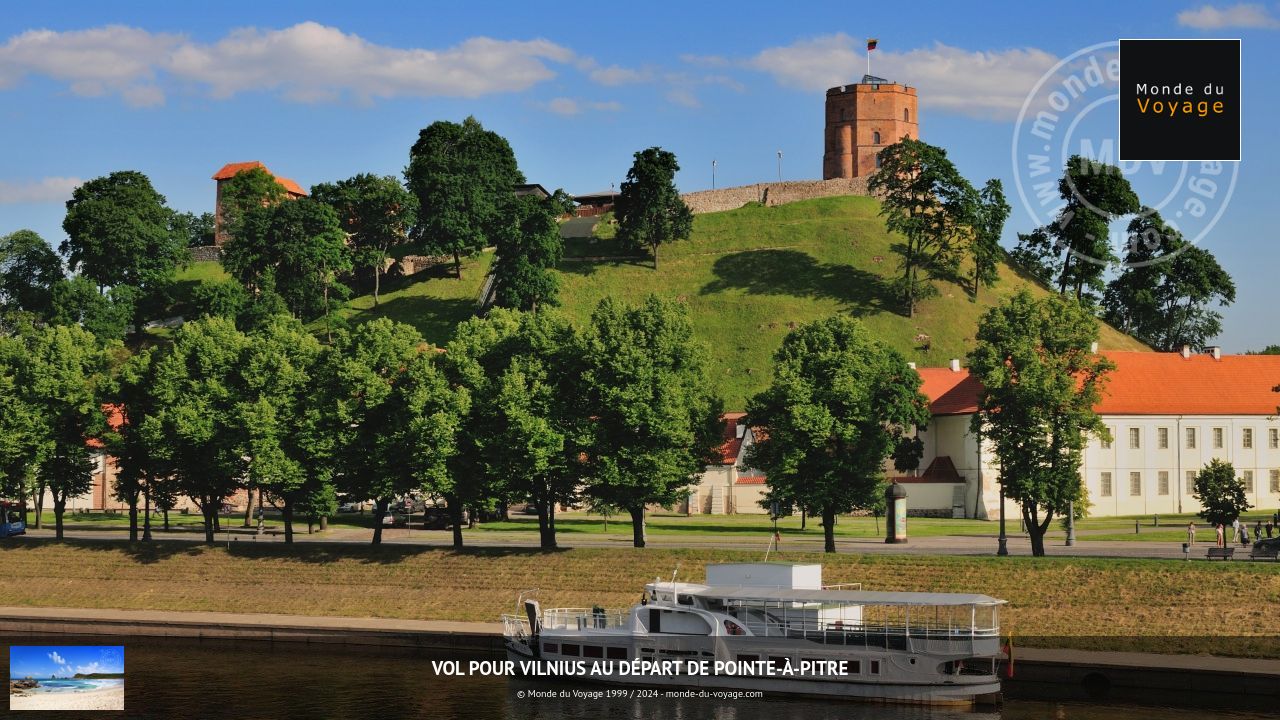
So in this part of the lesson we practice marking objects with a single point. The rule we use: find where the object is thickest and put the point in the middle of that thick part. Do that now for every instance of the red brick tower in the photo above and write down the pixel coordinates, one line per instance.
(862, 120)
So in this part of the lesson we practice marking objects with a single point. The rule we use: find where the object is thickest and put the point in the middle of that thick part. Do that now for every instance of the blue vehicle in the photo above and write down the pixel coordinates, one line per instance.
(11, 519)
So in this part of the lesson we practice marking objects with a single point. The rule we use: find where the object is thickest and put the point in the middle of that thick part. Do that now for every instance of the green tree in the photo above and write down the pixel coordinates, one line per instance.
(195, 420)
(1165, 293)
(225, 298)
(841, 403)
(926, 200)
(654, 421)
(139, 460)
(1040, 383)
(244, 192)
(376, 213)
(1268, 350)
(64, 375)
(119, 232)
(76, 301)
(462, 176)
(992, 212)
(23, 432)
(358, 381)
(523, 437)
(288, 448)
(649, 209)
(28, 271)
(529, 247)
(294, 250)
(195, 230)
(1220, 493)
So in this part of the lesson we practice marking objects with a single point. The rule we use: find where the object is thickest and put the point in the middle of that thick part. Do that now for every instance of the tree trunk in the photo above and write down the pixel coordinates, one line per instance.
(1036, 530)
(248, 508)
(377, 277)
(455, 518)
(146, 518)
(655, 256)
(803, 517)
(457, 264)
(287, 514)
(210, 514)
(637, 525)
(59, 506)
(39, 503)
(133, 517)
(546, 526)
(324, 523)
(379, 512)
(829, 529)
(166, 519)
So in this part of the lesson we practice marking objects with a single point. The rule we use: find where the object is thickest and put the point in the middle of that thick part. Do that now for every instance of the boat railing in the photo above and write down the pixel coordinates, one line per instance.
(843, 586)
(515, 627)
(584, 619)
(888, 635)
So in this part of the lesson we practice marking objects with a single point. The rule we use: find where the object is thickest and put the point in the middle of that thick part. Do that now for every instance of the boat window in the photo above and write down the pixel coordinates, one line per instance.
(686, 600)
(569, 649)
(551, 647)
(615, 653)
(733, 628)
(592, 651)
(855, 667)
(875, 667)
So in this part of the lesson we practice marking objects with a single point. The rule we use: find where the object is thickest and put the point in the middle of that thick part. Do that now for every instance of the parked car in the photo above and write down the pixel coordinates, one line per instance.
(1266, 548)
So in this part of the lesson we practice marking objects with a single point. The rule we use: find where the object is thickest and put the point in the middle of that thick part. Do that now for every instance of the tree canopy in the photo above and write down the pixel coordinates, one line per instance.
(529, 247)
(376, 213)
(841, 403)
(1040, 383)
(462, 176)
(649, 209)
(29, 269)
(1221, 494)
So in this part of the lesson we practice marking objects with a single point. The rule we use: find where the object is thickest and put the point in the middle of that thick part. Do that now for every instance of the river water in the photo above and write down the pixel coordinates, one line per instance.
(253, 680)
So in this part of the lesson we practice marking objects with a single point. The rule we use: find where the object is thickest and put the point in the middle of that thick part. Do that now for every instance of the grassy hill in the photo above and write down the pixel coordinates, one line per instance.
(748, 276)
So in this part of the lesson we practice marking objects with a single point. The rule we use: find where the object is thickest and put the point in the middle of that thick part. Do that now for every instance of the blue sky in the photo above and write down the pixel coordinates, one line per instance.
(42, 661)
(321, 92)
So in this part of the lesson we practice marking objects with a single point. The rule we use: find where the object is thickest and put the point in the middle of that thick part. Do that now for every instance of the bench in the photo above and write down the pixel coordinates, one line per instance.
(1223, 553)
(1264, 553)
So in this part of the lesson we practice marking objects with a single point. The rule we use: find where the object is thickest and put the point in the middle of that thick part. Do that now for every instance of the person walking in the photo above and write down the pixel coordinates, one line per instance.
(1235, 531)
(1257, 531)
(1221, 533)
(1191, 534)
(1244, 534)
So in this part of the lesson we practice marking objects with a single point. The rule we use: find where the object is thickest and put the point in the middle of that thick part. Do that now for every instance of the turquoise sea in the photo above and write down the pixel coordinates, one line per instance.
(60, 685)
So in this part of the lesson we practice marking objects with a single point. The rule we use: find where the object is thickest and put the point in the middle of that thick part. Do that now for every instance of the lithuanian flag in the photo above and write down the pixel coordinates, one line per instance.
(871, 44)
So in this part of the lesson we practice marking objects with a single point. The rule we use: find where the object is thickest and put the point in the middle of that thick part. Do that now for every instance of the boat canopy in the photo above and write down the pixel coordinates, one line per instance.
(841, 597)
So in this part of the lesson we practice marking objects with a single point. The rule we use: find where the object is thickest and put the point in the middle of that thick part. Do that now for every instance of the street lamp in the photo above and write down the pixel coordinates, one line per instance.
(1004, 539)
(713, 174)
(779, 166)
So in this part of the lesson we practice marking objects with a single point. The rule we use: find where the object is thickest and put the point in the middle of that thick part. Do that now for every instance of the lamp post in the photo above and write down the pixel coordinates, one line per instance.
(1003, 549)
(779, 166)
(713, 174)
(1071, 523)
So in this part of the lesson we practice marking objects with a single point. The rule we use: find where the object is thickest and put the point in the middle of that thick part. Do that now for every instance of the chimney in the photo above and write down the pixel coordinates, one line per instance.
(955, 365)
(1186, 351)
(911, 365)
(1216, 351)
(1093, 348)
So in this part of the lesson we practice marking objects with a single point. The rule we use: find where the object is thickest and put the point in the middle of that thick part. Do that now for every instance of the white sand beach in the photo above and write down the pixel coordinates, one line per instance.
(108, 698)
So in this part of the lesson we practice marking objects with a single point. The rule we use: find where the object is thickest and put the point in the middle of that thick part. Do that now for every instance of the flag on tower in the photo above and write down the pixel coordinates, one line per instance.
(871, 44)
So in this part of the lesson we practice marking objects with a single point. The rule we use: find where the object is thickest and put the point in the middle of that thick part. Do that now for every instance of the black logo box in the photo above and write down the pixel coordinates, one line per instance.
(1208, 132)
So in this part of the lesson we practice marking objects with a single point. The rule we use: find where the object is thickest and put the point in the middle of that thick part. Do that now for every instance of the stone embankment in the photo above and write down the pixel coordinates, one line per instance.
(773, 193)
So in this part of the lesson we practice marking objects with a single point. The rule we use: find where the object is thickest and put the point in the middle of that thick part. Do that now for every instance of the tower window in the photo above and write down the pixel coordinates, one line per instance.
(906, 115)
(876, 137)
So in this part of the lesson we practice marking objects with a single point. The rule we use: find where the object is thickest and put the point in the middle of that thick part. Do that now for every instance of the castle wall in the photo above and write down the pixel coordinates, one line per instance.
(774, 193)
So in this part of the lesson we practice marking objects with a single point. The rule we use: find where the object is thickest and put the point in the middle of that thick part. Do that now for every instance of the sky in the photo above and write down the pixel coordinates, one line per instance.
(323, 91)
(43, 661)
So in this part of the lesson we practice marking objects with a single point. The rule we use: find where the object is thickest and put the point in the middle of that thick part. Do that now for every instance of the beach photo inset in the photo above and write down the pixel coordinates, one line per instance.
(66, 677)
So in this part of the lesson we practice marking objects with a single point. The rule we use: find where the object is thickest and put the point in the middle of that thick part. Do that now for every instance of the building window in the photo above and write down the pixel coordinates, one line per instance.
(876, 137)
(1191, 438)
(1106, 484)
(1273, 439)
(1191, 481)
(1135, 438)
(906, 115)
(1275, 481)
(1162, 482)
(1135, 483)
(1162, 438)
(1217, 438)
(1106, 441)
(1248, 481)
(1246, 438)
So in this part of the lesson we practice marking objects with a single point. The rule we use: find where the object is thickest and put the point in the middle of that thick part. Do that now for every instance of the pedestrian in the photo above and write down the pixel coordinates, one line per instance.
(1235, 531)
(1244, 534)
(1191, 533)
(1257, 531)
(1221, 532)
(1270, 527)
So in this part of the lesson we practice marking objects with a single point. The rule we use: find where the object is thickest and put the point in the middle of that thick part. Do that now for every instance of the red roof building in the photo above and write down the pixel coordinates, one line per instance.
(292, 190)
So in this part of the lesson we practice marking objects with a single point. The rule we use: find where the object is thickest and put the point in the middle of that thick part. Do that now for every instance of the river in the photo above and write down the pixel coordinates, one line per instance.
(167, 679)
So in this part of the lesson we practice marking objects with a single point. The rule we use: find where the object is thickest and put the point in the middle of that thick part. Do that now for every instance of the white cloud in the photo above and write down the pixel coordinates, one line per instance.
(569, 106)
(44, 190)
(989, 85)
(94, 62)
(1244, 15)
(615, 75)
(683, 96)
(56, 658)
(307, 62)
(93, 667)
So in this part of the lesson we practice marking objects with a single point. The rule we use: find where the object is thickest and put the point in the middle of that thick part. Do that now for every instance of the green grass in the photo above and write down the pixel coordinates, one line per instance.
(750, 275)
(1094, 603)
(186, 280)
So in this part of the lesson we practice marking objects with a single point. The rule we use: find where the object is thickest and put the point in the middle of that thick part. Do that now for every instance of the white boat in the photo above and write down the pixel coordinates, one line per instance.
(776, 628)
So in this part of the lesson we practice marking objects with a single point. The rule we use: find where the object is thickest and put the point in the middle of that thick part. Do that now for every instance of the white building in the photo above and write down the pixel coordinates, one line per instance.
(1169, 414)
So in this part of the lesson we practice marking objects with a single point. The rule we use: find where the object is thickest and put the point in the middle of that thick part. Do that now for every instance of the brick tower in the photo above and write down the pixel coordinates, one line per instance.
(862, 120)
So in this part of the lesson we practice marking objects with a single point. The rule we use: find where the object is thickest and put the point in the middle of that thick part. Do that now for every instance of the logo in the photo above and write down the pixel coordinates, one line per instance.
(1073, 110)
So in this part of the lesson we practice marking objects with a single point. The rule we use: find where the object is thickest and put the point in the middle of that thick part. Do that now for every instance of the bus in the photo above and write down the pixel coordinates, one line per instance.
(11, 519)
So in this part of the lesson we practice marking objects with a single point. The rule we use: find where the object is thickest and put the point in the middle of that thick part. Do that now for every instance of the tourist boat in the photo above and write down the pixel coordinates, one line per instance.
(765, 625)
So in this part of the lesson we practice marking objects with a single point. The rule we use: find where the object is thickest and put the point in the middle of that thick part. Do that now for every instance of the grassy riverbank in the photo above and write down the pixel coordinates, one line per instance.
(1149, 605)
